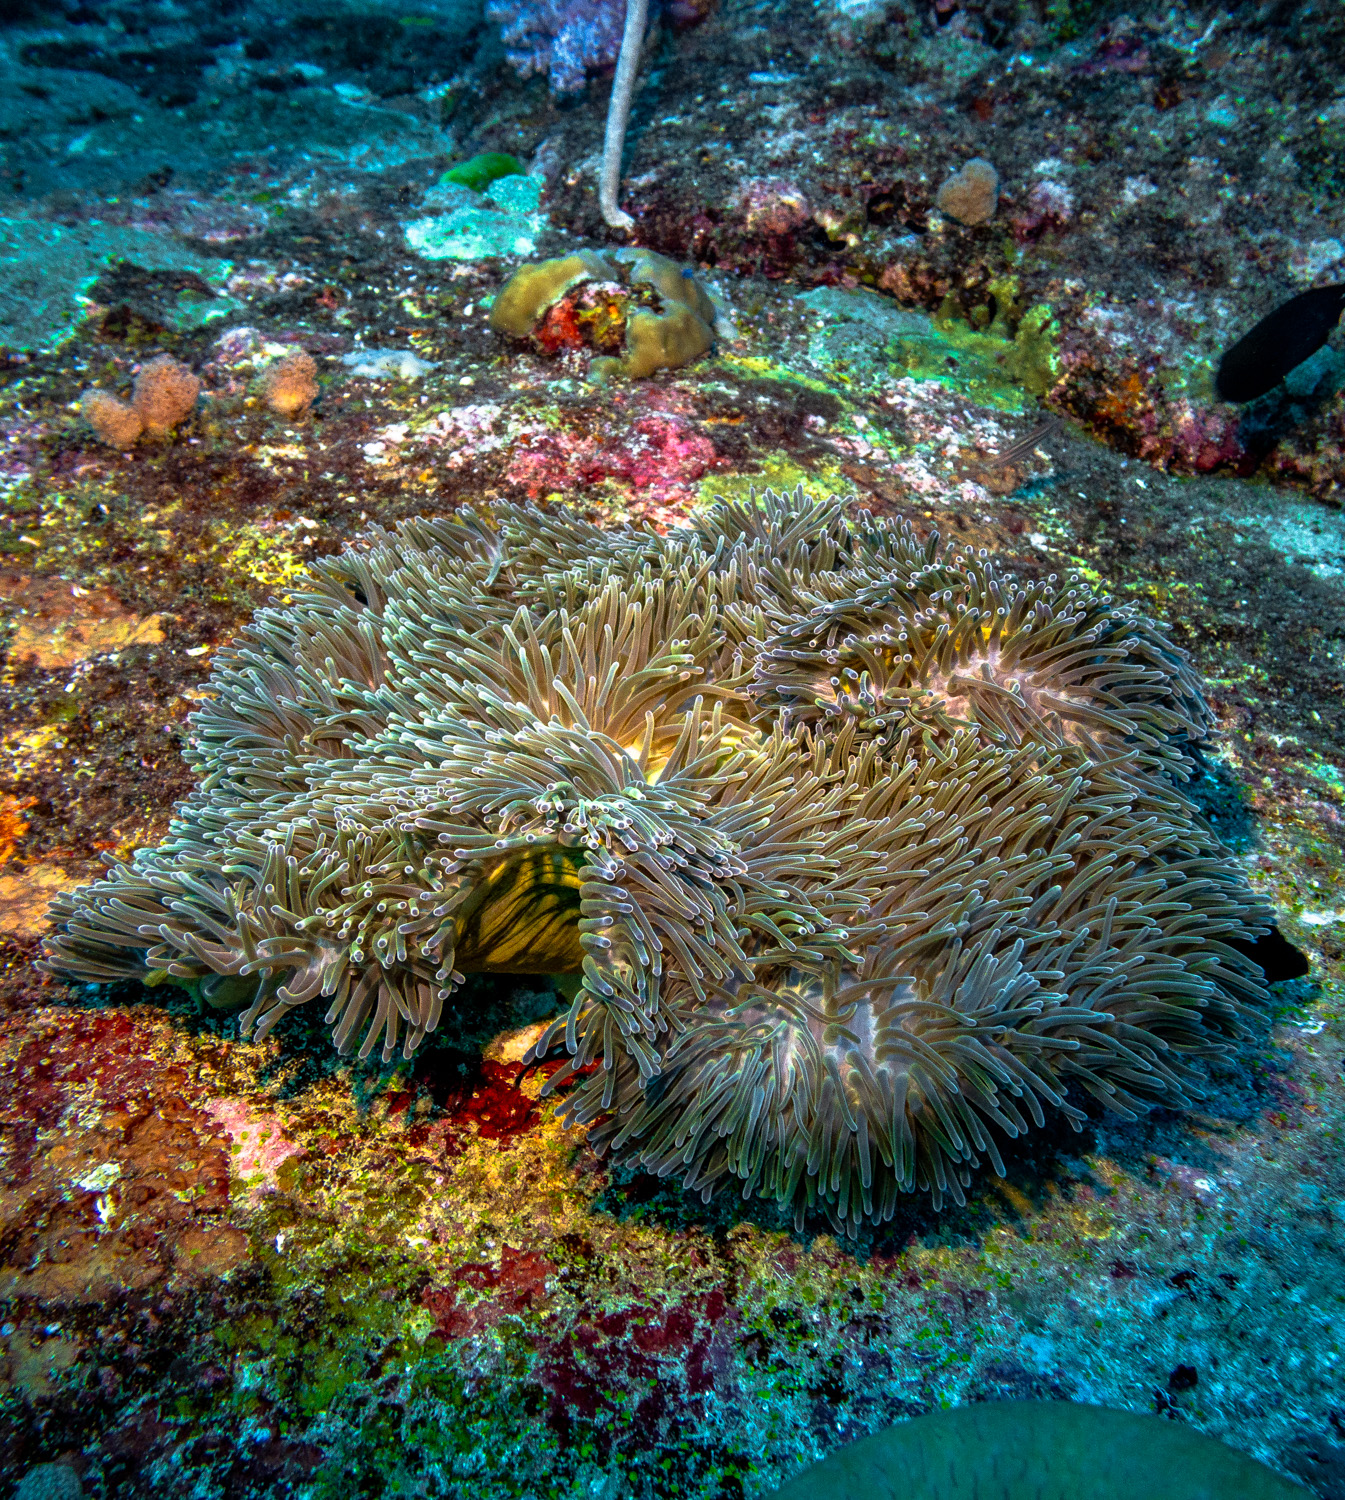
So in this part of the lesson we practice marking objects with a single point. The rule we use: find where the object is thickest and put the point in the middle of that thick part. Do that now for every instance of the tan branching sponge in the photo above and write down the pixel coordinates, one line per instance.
(164, 394)
(115, 421)
(866, 858)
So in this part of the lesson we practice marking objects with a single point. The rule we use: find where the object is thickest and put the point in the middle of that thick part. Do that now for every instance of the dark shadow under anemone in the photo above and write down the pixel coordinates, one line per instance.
(862, 855)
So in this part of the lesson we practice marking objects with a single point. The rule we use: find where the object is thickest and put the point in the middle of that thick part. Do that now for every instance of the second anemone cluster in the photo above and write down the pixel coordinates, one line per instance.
(866, 857)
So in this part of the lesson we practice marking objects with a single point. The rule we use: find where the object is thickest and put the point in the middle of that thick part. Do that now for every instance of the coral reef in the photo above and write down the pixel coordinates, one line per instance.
(386, 364)
(864, 853)
(50, 1482)
(251, 1268)
(46, 270)
(503, 220)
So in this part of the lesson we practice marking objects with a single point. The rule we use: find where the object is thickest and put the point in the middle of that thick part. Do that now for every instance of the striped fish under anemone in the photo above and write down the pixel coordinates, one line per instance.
(862, 859)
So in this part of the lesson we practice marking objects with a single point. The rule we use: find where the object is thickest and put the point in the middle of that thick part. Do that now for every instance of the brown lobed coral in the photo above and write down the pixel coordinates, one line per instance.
(867, 856)
(542, 303)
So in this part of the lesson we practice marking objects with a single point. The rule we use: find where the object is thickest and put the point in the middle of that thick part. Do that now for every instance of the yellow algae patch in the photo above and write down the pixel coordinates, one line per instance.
(266, 557)
(513, 1047)
(521, 1186)
(778, 472)
(13, 826)
(25, 750)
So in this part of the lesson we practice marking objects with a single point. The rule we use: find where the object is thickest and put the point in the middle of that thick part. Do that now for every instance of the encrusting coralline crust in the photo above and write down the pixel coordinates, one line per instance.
(869, 857)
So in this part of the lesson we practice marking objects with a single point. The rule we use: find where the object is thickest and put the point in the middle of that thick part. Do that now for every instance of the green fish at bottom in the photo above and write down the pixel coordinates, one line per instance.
(1039, 1450)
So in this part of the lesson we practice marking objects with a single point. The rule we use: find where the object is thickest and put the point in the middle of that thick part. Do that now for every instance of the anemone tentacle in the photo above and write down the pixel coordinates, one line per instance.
(867, 858)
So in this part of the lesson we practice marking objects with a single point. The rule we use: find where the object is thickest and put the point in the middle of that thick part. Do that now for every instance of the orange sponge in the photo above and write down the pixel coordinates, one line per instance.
(290, 386)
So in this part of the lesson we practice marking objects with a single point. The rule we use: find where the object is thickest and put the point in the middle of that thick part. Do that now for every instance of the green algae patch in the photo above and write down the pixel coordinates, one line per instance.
(338, 1314)
(759, 368)
(480, 171)
(991, 354)
(457, 1422)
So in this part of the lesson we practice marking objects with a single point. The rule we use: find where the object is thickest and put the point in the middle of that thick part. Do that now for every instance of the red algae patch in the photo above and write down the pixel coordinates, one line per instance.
(479, 1295)
(672, 1359)
(661, 455)
(492, 1105)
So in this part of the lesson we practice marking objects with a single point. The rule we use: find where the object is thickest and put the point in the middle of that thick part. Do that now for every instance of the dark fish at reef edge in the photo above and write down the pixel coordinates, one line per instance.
(1282, 340)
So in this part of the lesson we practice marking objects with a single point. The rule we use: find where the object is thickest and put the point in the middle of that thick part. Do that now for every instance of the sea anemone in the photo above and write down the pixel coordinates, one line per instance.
(866, 856)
